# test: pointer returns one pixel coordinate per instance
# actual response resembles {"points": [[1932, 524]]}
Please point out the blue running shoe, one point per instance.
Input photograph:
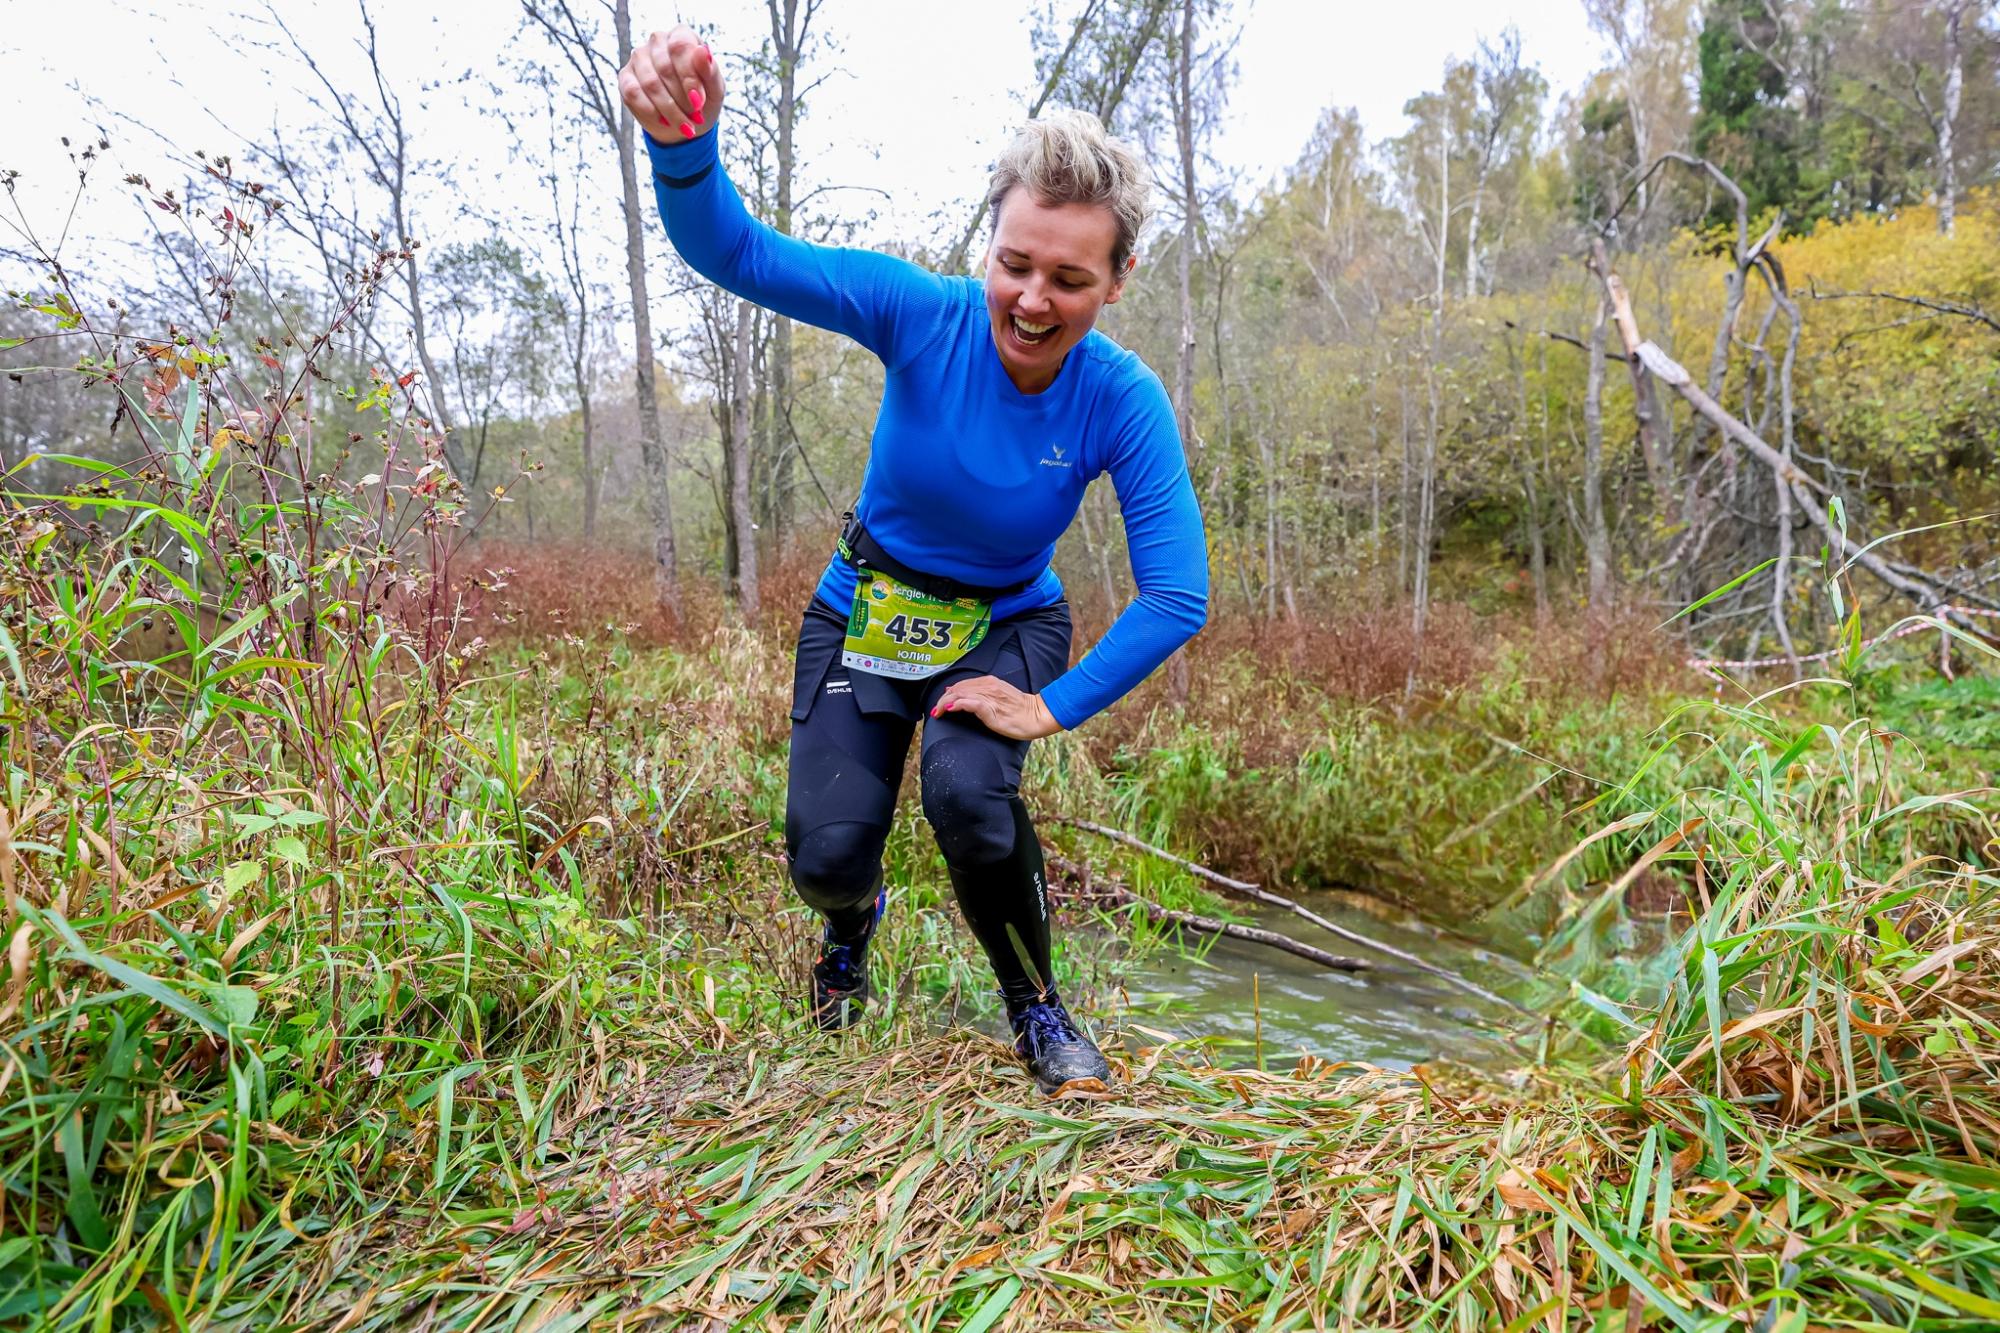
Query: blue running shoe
{"points": [[840, 974], [1053, 1047]]}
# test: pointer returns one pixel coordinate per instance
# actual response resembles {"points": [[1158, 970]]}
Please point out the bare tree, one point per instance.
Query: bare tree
{"points": [[1506, 112], [1655, 42], [578, 317], [1946, 119], [736, 436], [595, 75], [1190, 222], [1596, 533], [1094, 69], [1183, 106], [791, 31], [491, 311], [380, 134], [1930, 593]]}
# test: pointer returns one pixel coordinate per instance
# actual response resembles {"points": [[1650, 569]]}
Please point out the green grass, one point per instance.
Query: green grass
{"points": [[561, 1084], [357, 979]]}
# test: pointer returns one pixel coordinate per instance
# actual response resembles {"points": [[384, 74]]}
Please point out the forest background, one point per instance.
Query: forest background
{"points": [[398, 572], [1388, 359]]}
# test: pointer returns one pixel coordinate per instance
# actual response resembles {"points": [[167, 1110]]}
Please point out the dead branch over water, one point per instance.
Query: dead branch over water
{"points": [[1263, 895], [1116, 894]]}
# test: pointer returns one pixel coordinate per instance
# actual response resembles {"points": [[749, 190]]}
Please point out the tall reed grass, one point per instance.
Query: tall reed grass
{"points": [[358, 975]]}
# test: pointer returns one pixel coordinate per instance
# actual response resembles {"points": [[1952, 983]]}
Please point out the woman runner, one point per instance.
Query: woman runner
{"points": [[999, 405]]}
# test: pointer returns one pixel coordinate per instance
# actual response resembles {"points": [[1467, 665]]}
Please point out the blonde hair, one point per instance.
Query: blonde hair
{"points": [[1065, 157]]}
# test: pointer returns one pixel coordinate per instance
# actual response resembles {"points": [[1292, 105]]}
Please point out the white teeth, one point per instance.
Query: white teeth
{"points": [[1032, 330]]}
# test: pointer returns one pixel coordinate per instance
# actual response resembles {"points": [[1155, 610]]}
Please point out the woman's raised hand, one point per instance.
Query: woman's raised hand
{"points": [[672, 85]]}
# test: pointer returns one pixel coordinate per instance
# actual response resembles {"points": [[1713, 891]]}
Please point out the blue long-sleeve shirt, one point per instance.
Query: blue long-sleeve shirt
{"points": [[967, 476]]}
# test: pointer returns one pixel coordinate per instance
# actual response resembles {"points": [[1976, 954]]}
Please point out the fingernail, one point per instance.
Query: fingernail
{"points": [[695, 99], [687, 130], [698, 120]]}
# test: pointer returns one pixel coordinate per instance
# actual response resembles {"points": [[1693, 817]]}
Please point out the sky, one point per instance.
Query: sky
{"points": [[919, 95]]}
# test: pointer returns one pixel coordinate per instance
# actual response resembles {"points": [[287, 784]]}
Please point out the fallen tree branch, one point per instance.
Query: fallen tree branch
{"points": [[1554, 336], [1931, 303], [1929, 598], [1263, 895], [1118, 895]]}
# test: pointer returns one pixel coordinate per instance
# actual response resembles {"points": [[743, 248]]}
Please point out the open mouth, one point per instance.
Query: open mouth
{"points": [[1029, 333]]}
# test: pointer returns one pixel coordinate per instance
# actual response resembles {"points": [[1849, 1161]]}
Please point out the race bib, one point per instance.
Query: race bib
{"points": [[895, 630]]}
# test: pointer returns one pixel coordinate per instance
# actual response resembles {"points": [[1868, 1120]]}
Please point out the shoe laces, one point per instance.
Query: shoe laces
{"points": [[1040, 1024], [841, 966]]}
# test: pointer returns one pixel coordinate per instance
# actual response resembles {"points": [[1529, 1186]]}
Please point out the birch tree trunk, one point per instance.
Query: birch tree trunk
{"points": [[591, 479], [1177, 668], [1099, 551], [652, 446], [1538, 563], [1420, 598], [737, 441], [1403, 505], [1954, 89], [1420, 593], [788, 35], [1596, 534]]}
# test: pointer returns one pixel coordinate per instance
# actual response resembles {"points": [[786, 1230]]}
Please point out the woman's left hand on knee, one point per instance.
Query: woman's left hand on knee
{"points": [[1004, 710]]}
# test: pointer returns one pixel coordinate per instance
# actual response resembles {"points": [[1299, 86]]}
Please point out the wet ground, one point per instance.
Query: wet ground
{"points": [[1392, 1015]]}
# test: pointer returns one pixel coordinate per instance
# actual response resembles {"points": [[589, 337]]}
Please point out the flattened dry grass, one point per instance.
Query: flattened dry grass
{"points": [[1831, 1157]]}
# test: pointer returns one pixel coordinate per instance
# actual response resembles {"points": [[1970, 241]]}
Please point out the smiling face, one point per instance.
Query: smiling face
{"points": [[1048, 274]]}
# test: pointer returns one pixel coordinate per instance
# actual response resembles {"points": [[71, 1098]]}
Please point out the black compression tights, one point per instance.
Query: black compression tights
{"points": [[846, 765]]}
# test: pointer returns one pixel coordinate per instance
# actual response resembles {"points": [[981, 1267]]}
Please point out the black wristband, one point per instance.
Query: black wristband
{"points": [[683, 182]]}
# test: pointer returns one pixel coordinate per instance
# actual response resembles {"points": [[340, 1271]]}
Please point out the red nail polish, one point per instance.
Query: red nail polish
{"points": [[695, 99], [687, 130], [698, 120]]}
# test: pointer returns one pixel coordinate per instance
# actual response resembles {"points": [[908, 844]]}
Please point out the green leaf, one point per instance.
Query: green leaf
{"points": [[237, 1005], [83, 1209], [446, 1091], [13, 659], [1609, 1008], [1656, 1299], [239, 875], [990, 1309], [1723, 591], [291, 849], [142, 983], [250, 621], [1956, 1297], [186, 463], [195, 534]]}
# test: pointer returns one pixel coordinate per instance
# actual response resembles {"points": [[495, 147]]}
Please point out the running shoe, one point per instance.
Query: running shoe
{"points": [[840, 975], [1053, 1047]]}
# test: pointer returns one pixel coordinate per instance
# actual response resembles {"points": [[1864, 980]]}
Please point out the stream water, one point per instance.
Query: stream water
{"points": [[1392, 1015]]}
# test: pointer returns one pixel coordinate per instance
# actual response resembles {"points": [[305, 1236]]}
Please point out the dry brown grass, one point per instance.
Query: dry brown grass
{"points": [[723, 1177]]}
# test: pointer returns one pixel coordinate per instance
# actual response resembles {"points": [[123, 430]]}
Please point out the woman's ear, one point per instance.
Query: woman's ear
{"points": [[1118, 282]]}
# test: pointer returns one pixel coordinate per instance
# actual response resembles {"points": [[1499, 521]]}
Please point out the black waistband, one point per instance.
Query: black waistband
{"points": [[865, 553]]}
